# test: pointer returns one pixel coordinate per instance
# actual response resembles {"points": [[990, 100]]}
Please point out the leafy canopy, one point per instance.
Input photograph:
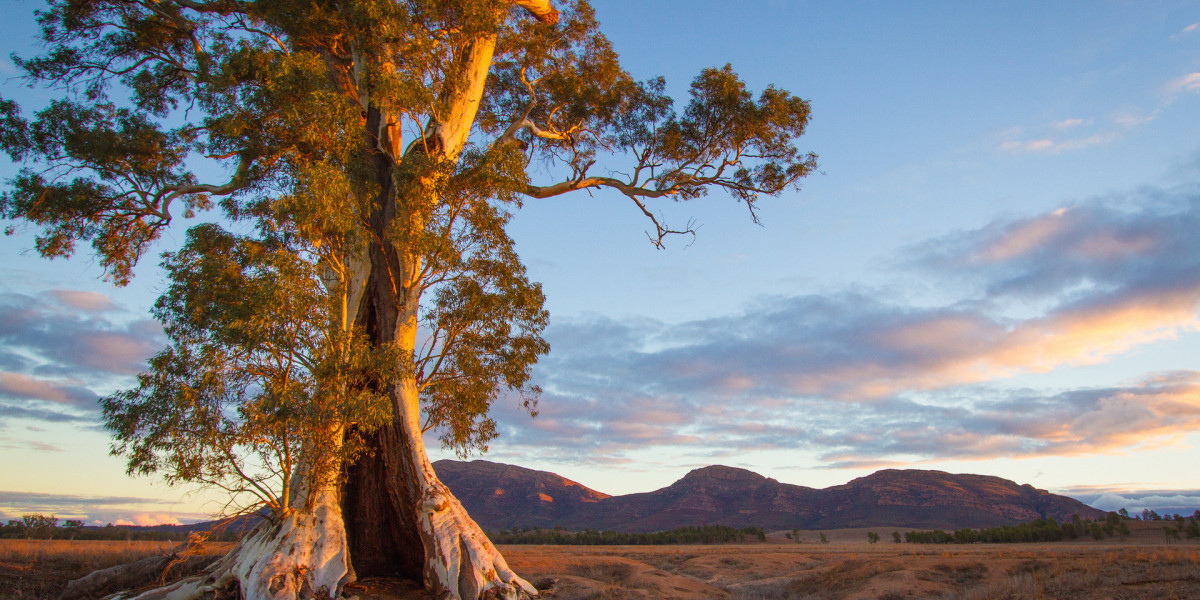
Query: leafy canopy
{"points": [[350, 134]]}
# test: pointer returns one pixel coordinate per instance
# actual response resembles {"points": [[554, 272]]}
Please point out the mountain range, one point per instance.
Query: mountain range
{"points": [[500, 496]]}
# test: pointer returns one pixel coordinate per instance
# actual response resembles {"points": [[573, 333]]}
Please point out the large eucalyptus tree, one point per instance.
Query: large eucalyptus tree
{"points": [[378, 148]]}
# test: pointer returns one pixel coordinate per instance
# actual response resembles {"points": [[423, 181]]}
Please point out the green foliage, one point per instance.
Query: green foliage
{"points": [[259, 377], [872, 537]]}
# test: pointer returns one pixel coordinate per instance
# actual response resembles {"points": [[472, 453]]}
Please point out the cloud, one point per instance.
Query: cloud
{"points": [[85, 301], [861, 380], [62, 349], [1133, 119], [992, 423], [1057, 145], [16, 385], [1054, 139], [1068, 123], [1184, 83], [20, 444], [98, 510], [1136, 502], [150, 519], [1191, 28], [61, 339]]}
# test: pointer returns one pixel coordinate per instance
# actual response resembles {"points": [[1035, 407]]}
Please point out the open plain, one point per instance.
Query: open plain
{"points": [[848, 567]]}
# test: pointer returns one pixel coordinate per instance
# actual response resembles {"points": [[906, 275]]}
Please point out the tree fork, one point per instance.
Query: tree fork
{"points": [[400, 520]]}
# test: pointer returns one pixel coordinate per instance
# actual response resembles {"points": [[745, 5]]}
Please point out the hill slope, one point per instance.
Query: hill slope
{"points": [[506, 496]]}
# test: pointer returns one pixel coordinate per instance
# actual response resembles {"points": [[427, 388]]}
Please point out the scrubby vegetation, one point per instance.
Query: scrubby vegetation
{"points": [[49, 527], [1047, 530], [707, 534]]}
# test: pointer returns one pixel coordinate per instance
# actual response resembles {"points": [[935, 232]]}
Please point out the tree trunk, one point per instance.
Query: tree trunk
{"points": [[400, 520]]}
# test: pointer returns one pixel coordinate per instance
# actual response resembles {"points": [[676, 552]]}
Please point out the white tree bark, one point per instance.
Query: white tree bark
{"points": [[303, 555], [461, 562]]}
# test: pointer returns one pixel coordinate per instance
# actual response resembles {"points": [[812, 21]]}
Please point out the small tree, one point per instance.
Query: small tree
{"points": [[73, 526], [872, 537], [896, 537], [824, 540], [39, 526]]}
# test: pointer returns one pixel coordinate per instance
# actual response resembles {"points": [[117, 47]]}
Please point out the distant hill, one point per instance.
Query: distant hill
{"points": [[503, 496]]}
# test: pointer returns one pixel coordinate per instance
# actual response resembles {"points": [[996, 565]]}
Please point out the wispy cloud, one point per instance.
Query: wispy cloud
{"points": [[1051, 145], [1068, 123], [1076, 133], [1184, 83]]}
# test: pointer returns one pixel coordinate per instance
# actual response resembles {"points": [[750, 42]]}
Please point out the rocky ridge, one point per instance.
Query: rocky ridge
{"points": [[500, 496]]}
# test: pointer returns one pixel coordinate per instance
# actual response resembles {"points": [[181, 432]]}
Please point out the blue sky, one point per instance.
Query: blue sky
{"points": [[996, 271]]}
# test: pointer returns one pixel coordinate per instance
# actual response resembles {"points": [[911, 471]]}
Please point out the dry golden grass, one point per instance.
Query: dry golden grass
{"points": [[846, 569], [40, 569]]}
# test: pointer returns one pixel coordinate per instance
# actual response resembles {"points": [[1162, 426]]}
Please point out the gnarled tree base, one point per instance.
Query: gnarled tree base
{"points": [[302, 556], [461, 562]]}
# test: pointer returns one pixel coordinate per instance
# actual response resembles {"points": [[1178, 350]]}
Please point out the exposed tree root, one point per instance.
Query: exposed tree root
{"points": [[301, 556], [461, 562], [140, 574]]}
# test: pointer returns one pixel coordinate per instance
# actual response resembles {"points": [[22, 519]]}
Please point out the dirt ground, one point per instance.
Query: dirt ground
{"points": [[1141, 567]]}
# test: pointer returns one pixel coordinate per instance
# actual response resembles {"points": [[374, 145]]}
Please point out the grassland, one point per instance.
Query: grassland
{"points": [[1141, 567], [40, 569]]}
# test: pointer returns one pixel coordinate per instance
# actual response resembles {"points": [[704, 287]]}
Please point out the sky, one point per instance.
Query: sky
{"points": [[996, 270]]}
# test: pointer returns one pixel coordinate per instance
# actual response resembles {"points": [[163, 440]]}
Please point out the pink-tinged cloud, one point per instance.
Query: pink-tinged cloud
{"points": [[83, 300], [17, 385], [1021, 238], [115, 351]]}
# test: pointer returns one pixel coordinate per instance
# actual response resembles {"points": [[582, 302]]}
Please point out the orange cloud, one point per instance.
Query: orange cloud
{"points": [[150, 519], [1024, 238]]}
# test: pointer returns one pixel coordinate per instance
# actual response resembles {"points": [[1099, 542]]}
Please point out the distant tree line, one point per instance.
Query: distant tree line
{"points": [[1039, 530], [706, 534], [48, 527], [1187, 527]]}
